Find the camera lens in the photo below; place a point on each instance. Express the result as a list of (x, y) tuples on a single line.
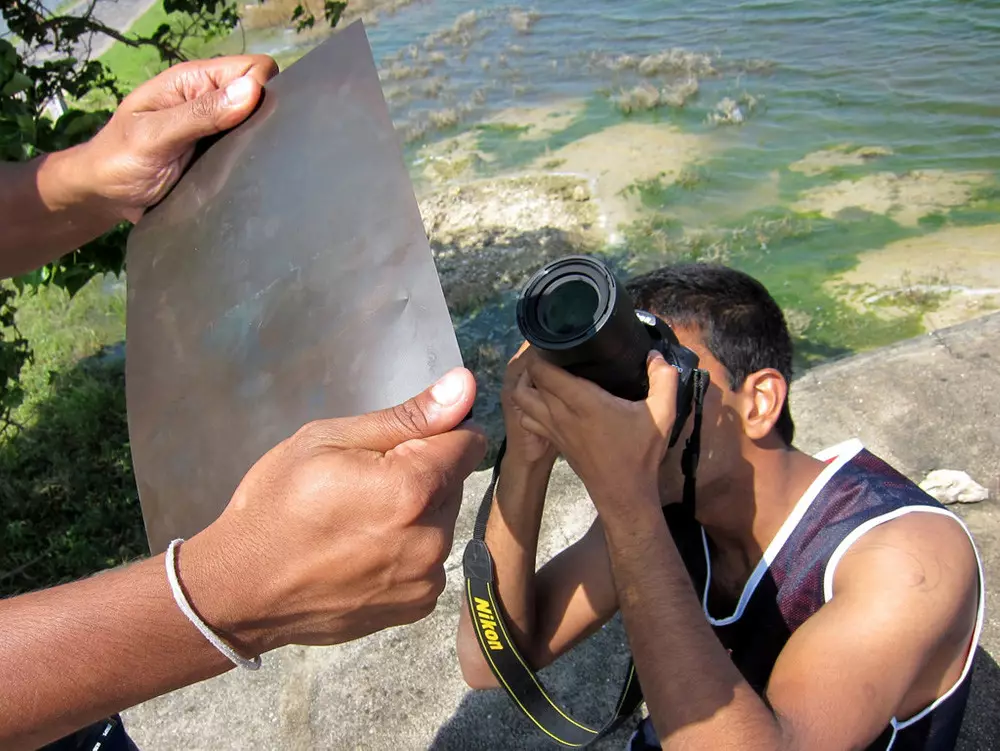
[(578, 317), (566, 303), (568, 309)]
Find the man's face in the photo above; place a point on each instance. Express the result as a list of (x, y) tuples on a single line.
[(721, 463)]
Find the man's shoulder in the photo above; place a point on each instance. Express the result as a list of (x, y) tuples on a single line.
[(930, 556), (861, 491), (922, 532)]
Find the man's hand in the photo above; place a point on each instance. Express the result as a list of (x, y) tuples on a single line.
[(143, 150), (615, 446), (58, 202), (343, 529), (522, 445), (338, 532)]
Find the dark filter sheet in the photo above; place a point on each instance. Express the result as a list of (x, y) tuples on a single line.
[(287, 277)]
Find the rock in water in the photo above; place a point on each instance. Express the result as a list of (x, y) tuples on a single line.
[(953, 486)]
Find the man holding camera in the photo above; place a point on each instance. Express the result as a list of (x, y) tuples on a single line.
[(834, 605)]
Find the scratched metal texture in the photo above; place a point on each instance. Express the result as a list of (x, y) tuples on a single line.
[(286, 278)]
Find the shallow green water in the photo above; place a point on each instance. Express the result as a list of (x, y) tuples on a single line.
[(916, 77)]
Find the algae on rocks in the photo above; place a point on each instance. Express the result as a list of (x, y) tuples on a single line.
[(488, 237)]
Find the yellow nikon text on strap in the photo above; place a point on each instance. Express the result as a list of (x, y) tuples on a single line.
[(508, 665), (488, 625)]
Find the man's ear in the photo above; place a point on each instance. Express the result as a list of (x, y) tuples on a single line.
[(764, 393)]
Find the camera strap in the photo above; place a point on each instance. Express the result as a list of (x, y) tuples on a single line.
[(506, 662), (509, 667)]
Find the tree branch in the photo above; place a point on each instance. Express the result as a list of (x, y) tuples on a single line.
[(58, 23)]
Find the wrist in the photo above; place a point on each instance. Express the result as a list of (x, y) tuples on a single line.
[(629, 513), (224, 597), (525, 478), (69, 184), (61, 182)]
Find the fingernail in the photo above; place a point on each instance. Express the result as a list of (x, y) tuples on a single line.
[(655, 354), (239, 91), (449, 389)]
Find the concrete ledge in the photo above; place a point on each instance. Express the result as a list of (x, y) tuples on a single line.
[(923, 404)]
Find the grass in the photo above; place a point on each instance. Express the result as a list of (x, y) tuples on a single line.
[(64, 5), (62, 331), (135, 65), (67, 492)]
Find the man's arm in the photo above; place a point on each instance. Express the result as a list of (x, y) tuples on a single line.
[(47, 209), (573, 594), (289, 561), (550, 611), (74, 654), (886, 645)]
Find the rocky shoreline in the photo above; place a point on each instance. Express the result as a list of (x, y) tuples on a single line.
[(491, 227)]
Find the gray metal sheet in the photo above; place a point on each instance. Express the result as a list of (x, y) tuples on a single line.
[(287, 277)]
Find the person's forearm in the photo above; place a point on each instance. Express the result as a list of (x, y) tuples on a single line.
[(77, 653), (47, 210), (695, 695), (512, 537)]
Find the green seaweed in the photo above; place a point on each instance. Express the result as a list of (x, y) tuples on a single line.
[(793, 255)]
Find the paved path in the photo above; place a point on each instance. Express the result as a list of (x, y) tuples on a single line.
[(924, 404), (116, 14)]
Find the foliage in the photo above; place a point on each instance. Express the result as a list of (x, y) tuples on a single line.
[(67, 494), (69, 499), (304, 18), (14, 355)]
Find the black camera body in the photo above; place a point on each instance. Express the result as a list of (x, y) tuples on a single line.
[(580, 318)]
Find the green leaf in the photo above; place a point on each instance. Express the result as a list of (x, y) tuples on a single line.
[(8, 54), (76, 126), (333, 11), (18, 82)]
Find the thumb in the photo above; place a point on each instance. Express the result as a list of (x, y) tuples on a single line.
[(662, 398), (435, 410), (179, 127)]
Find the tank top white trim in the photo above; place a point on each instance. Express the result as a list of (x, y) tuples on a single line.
[(840, 455), (837, 456), (853, 537)]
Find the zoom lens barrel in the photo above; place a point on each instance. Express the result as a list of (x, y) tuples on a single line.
[(580, 318)]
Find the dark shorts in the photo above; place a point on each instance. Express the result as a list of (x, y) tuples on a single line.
[(106, 735), (644, 738)]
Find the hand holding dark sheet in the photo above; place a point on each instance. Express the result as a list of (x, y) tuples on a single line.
[(142, 152), (59, 201), (342, 529)]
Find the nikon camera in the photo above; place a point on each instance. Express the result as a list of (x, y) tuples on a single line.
[(580, 318)]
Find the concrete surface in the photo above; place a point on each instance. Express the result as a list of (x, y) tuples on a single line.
[(924, 404)]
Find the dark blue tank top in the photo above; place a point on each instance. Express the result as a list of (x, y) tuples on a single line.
[(856, 492)]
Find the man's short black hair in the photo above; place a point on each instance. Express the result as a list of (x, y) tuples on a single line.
[(740, 323)]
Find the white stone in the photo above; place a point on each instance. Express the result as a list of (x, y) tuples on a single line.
[(953, 486)]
